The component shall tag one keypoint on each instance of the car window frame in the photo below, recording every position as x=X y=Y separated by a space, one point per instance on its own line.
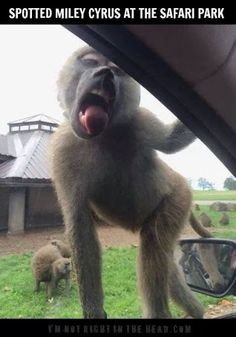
x=124 y=49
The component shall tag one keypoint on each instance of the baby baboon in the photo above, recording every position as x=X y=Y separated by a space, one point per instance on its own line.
x=43 y=259
x=224 y=219
x=63 y=248
x=60 y=269
x=205 y=220
x=104 y=166
x=197 y=207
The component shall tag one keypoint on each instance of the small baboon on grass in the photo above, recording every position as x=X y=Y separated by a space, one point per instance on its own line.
x=197 y=207
x=63 y=248
x=224 y=219
x=60 y=269
x=43 y=259
x=205 y=220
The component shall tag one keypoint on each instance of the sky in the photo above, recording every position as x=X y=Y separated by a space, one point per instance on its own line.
x=31 y=57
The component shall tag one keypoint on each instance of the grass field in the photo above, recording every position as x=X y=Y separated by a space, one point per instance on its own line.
x=218 y=230
x=214 y=195
x=18 y=300
x=119 y=277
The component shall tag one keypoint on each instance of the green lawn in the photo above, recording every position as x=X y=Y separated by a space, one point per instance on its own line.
x=119 y=276
x=18 y=299
x=218 y=230
x=214 y=195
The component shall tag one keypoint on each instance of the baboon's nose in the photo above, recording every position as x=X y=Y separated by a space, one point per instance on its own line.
x=104 y=72
x=105 y=78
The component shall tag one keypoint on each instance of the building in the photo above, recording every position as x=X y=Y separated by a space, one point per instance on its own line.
x=27 y=198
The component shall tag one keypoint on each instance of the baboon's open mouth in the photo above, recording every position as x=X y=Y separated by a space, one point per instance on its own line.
x=95 y=110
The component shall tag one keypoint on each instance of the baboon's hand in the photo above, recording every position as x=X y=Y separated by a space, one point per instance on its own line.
x=178 y=137
x=168 y=138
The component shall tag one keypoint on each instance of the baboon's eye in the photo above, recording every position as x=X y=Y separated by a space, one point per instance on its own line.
x=90 y=62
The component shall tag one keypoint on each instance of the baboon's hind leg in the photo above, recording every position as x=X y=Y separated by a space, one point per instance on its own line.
x=158 y=240
x=182 y=294
x=153 y=274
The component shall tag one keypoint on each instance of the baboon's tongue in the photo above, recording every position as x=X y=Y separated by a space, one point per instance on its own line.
x=94 y=119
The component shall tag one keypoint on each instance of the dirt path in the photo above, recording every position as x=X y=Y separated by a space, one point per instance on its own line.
x=34 y=239
x=223 y=307
x=209 y=202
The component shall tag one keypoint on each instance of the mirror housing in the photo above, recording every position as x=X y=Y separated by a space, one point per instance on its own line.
x=209 y=265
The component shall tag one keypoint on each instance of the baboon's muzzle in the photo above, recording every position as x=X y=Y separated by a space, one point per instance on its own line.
x=96 y=104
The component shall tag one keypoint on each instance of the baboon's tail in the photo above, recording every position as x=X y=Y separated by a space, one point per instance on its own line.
x=198 y=227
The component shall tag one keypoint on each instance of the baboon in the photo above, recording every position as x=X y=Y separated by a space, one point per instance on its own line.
x=205 y=220
x=63 y=248
x=197 y=207
x=60 y=269
x=44 y=258
x=224 y=219
x=104 y=166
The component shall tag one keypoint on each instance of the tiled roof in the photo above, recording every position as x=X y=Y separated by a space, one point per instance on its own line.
x=36 y=118
x=7 y=146
x=26 y=155
x=32 y=162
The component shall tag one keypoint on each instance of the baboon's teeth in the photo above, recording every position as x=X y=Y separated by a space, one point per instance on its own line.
x=97 y=92
x=101 y=93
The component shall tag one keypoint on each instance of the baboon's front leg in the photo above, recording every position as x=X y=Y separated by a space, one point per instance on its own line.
x=67 y=286
x=87 y=261
x=51 y=286
x=153 y=274
x=37 y=286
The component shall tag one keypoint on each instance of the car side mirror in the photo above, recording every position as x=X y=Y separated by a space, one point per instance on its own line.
x=209 y=265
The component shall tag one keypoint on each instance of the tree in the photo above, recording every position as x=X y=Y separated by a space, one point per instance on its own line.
x=205 y=184
x=230 y=183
